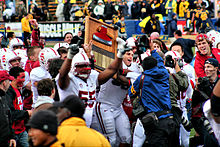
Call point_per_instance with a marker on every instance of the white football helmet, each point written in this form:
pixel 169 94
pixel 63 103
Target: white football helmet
pixel 46 55
pixel 58 45
pixel 81 59
pixel 16 42
pixel 6 57
pixel 23 54
pixel 174 54
pixel 213 35
pixel 131 42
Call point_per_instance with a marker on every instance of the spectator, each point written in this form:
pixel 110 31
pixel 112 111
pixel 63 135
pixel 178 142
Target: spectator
pixel 7 14
pixel 204 52
pixel 109 10
pixel 46 16
pixel 68 37
pixel 46 93
pixel 66 10
pixel 156 7
pixel 15 103
pixel 170 8
pixel 6 41
pixel 26 29
pixel 122 33
pixel 153 25
pixel 123 9
pixel 135 10
pixel 99 10
pixel 43 129
pixel 212 70
pixel 86 11
pixel 76 12
pixel 144 10
pixel 182 8
pixel 73 129
pixel 187 44
pixel 20 10
pixel 6 133
pixel 172 25
pixel 59 11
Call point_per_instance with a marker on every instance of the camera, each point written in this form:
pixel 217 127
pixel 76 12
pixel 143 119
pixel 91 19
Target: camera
pixel 169 62
pixel 205 85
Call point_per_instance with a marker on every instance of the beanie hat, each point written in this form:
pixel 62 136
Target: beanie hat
pixel 212 61
pixel 149 62
pixel 44 120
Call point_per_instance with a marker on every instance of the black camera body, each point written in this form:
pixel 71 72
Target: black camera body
pixel 169 62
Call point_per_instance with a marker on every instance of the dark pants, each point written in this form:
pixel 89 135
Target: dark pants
pixel 26 36
pixel 165 134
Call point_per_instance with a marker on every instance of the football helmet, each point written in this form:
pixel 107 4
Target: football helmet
pixel 130 42
pixel 58 45
pixel 23 54
pixel 212 35
pixel 81 59
pixel 174 54
pixel 46 55
pixel 16 42
pixel 6 57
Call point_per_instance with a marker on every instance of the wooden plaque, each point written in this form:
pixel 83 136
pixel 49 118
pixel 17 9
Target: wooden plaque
pixel 104 41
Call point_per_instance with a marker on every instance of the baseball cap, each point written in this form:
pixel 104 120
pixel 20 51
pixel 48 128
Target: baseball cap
pixel 74 104
pixel 212 61
pixel 44 120
pixel 5 76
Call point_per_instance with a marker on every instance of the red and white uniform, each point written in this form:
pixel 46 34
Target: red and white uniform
pixel 85 90
pixel 110 112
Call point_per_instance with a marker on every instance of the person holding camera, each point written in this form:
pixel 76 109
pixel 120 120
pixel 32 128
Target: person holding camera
pixel 204 52
pixel 202 93
pixel 180 91
pixel 157 119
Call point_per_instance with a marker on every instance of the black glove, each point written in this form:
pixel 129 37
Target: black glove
pixel 73 49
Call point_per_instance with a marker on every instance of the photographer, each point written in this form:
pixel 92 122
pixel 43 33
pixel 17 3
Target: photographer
pixel 201 94
pixel 158 123
pixel 178 94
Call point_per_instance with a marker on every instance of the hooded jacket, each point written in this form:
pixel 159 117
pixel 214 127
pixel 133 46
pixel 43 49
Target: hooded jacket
pixel 155 92
pixel 43 102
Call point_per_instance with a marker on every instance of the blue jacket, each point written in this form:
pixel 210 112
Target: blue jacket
pixel 155 92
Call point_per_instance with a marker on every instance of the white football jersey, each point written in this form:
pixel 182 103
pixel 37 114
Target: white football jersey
pixel 86 91
pixel 36 75
pixel 190 72
pixel 112 94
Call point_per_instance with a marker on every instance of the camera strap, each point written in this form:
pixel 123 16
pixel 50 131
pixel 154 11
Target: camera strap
pixel 141 83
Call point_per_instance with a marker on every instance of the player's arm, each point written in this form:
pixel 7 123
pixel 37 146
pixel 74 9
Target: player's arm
pixel 115 65
pixel 64 79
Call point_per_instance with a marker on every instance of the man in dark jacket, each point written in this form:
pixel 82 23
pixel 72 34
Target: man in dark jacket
pixel 6 132
pixel 135 10
pixel 109 10
pixel 187 46
pixel 15 103
pixel 66 10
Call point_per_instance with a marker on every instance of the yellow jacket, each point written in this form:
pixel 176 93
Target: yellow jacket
pixel 74 132
pixel 174 5
pixel 182 8
pixel 25 25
